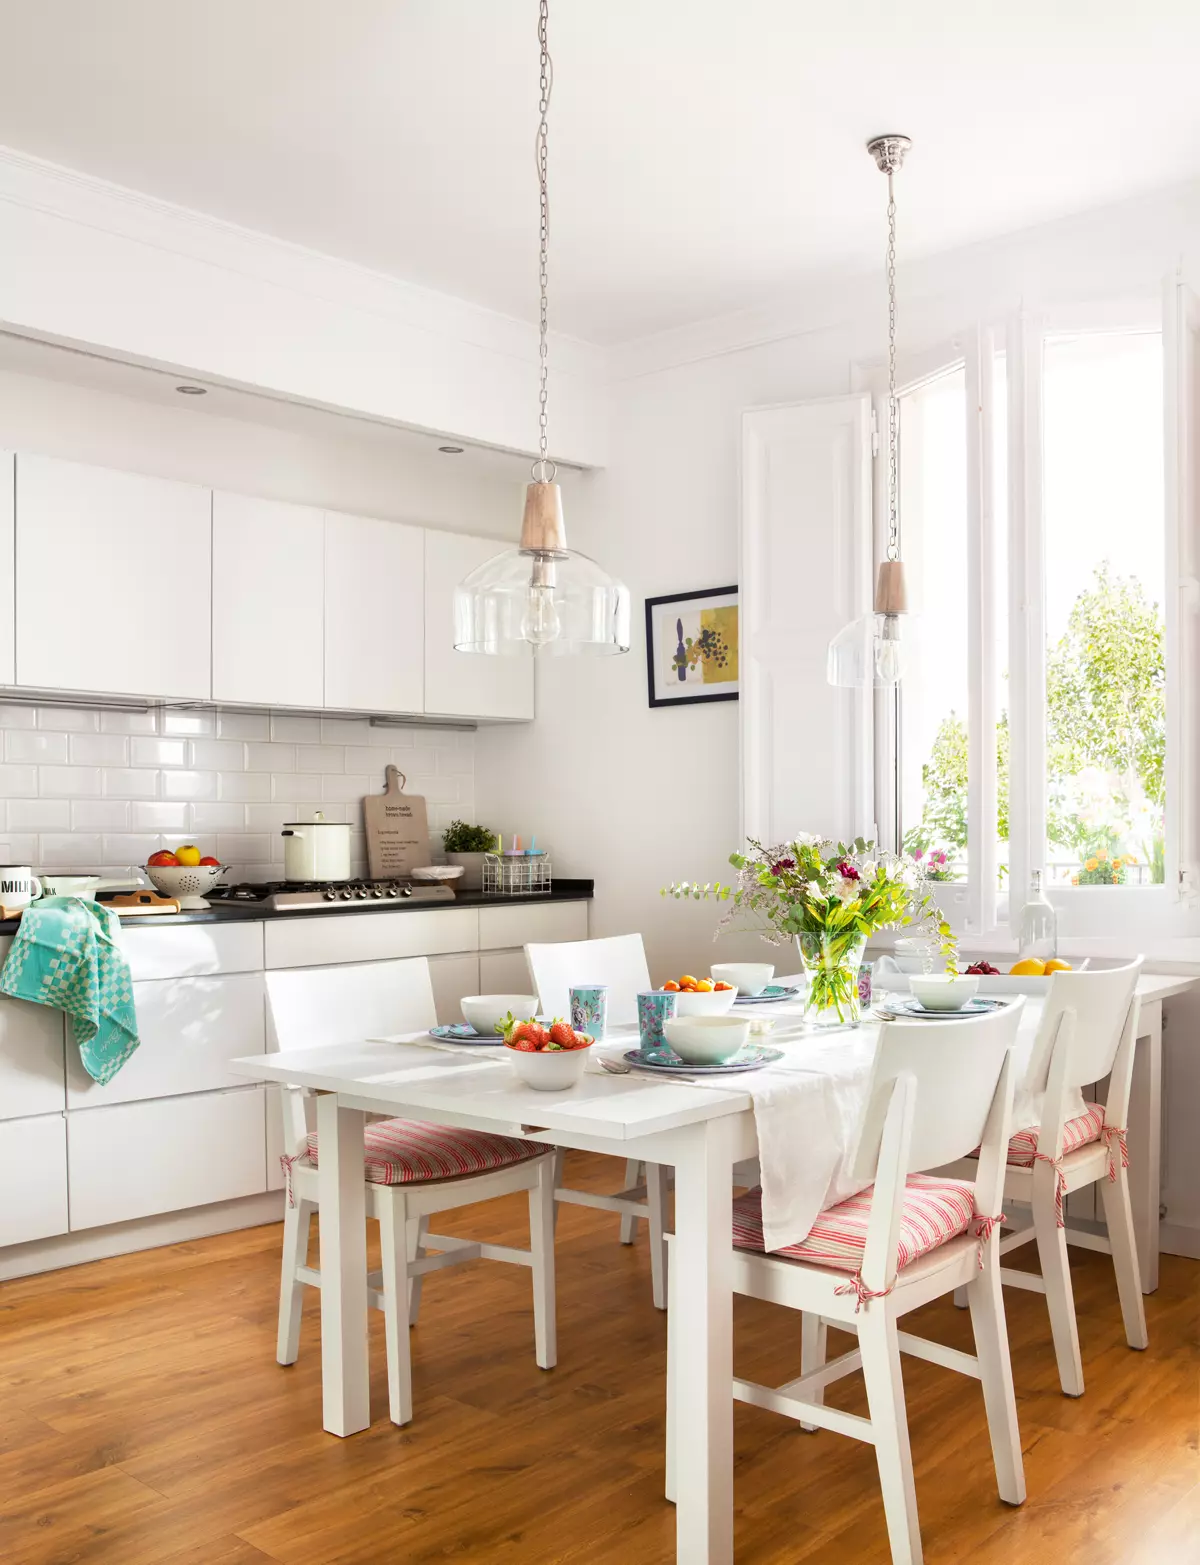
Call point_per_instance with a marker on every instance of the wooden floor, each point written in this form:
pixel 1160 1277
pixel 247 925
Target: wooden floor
pixel 143 1421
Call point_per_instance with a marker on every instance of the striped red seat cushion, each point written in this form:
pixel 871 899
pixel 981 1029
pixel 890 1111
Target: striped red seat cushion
pixel 412 1152
pixel 1078 1132
pixel 935 1210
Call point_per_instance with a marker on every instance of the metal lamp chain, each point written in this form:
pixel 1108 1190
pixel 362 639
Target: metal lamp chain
pixel 893 546
pixel 543 468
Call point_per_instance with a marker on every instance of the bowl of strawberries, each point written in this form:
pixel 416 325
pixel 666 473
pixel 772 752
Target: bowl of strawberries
pixel 547 1058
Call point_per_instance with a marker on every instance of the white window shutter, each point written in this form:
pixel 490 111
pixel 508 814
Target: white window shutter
pixel 1181 403
pixel 806 565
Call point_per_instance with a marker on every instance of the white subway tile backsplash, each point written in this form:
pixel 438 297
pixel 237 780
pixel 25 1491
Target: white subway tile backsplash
pixel 88 789
pixel 69 782
pixel 99 750
pixel 320 758
pixel 295 730
pixel 189 786
pixel 160 817
pixel 100 814
pixel 26 744
pixel 158 752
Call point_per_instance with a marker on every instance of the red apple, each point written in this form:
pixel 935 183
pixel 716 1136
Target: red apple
pixel 162 860
pixel 212 863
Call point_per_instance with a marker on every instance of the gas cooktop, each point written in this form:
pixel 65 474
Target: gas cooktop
pixel 324 896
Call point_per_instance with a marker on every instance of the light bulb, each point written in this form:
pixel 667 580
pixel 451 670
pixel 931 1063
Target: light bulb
pixel 540 622
pixel 889 659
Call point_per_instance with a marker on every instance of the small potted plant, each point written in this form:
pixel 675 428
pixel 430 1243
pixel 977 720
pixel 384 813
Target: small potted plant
pixel 466 845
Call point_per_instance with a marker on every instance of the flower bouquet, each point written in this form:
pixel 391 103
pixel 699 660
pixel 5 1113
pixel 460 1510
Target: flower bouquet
pixel 831 898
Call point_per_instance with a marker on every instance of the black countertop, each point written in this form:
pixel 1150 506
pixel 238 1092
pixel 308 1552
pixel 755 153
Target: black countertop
pixel 563 890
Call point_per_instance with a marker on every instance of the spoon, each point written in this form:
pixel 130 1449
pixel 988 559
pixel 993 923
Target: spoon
pixel 619 1068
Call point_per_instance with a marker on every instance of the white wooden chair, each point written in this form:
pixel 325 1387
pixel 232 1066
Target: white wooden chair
pixel 937 1090
pixel 620 962
pixel 1088 1031
pixel 412 1170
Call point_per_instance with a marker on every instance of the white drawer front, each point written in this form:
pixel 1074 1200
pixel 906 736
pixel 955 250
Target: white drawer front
pixel 319 939
pixel 31 1059
pixel 190 950
pixel 452 977
pixel 504 972
pixel 189 1028
pixel 136 1159
pixel 33 1179
pixel 517 926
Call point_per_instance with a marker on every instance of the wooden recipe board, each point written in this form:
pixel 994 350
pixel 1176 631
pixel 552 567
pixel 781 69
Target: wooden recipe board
pixel 397 828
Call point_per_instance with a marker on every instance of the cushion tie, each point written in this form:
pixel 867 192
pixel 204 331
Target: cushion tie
pixel 985 1227
pixel 1115 1140
pixel 285 1162
pixel 862 1293
pixel 1060 1183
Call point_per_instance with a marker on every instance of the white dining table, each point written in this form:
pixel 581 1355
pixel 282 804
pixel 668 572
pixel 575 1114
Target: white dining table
pixel 700 1131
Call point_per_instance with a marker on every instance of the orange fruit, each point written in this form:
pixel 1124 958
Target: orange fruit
pixel 1054 965
pixel 670 987
pixel 1028 967
pixel 687 980
pixel 704 986
pixel 722 987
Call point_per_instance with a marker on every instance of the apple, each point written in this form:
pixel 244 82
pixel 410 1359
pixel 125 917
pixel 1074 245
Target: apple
pixel 211 863
pixel 162 860
pixel 189 854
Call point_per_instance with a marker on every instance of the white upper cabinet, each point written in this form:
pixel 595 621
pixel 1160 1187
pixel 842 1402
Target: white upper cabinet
pixel 374 615
pixel 113 574
pixel 466 684
pixel 268 603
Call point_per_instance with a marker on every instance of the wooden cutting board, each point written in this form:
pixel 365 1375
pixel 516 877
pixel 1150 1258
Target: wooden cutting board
pixel 397 828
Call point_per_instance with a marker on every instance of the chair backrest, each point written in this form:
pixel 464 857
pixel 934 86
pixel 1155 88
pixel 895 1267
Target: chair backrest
pixel 1097 1002
pixel 317 1006
pixel 618 961
pixel 938 1090
pixel 954 1066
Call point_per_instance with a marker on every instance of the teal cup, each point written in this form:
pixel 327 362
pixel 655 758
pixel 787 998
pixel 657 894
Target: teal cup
pixel 589 1008
pixel 654 1008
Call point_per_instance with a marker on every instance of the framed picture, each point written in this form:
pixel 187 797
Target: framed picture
pixel 692 647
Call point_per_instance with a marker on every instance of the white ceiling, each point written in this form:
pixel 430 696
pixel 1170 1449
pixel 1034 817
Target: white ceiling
pixel 706 154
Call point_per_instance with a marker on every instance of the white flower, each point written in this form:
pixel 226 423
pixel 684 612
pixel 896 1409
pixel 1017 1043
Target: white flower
pixel 813 892
pixel 807 839
pixel 846 890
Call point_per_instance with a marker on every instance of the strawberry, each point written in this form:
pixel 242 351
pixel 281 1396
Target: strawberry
pixel 523 1033
pixel 563 1034
pixel 524 1046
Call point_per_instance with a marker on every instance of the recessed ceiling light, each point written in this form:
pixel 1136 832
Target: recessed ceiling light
pixel 451 450
pixel 192 391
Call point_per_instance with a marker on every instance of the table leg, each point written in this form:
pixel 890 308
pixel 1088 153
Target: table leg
pixel 702 1336
pixel 345 1373
pixel 1145 1141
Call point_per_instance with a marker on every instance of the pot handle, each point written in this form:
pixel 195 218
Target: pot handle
pixel 288 832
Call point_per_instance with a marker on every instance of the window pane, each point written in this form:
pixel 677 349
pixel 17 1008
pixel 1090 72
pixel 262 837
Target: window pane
pixel 1104 576
pixel 933 490
pixel 999 569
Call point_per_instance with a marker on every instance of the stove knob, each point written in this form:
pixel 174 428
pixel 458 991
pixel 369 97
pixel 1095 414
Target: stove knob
pixel 346 894
pixel 377 891
pixel 392 891
pixel 406 891
pixel 330 895
pixel 362 892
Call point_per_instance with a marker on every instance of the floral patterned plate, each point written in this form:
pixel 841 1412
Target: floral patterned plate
pixel 771 995
pixel 463 1032
pixel 752 1058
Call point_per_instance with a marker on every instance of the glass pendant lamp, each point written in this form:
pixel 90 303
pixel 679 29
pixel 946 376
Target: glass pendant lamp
pixel 541 596
pixel 869 652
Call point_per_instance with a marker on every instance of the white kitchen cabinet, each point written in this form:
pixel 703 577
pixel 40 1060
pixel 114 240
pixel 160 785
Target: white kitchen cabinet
pixel 320 939
pixel 466 684
pixel 374 615
pixel 532 923
pixel 191 950
pixel 451 978
pixel 504 972
pixel 268 602
pixel 189 1028
pixel 8 571
pixel 31 1059
pixel 135 1159
pixel 136 550
pixel 33 1179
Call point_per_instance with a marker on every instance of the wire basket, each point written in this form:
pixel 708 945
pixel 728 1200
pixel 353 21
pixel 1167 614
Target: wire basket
pixel 516 875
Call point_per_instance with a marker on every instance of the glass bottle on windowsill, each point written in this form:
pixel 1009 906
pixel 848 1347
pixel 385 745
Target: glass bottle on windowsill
pixel 1039 924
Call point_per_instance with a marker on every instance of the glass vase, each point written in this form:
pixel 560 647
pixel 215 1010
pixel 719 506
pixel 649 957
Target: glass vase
pixel 831 963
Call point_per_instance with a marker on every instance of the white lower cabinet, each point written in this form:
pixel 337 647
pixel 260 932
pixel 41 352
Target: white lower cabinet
pixel 504 972
pixel 165 1155
pixel 452 977
pixel 31 1060
pixel 320 939
pixel 33 1178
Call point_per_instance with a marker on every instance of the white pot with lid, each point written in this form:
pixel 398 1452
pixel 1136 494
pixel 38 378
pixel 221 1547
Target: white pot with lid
pixel 316 850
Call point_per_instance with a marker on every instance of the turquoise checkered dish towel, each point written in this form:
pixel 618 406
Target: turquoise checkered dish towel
pixel 67 954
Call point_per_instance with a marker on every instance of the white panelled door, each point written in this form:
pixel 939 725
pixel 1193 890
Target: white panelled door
pixel 374 615
pixel 805 571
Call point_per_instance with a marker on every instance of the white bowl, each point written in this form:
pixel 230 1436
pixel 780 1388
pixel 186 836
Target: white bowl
pixel 548 1070
pixel 188 882
pixel 483 1011
pixel 706 1040
pixel 746 977
pixel 437 872
pixel 943 991
pixel 712 1002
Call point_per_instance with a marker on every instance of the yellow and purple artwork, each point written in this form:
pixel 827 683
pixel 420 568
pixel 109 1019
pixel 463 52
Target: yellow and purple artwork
pixel 692 647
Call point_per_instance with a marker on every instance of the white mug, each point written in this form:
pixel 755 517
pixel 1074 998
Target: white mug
pixel 19 886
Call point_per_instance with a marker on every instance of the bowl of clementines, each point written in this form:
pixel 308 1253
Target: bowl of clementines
pixel 700 996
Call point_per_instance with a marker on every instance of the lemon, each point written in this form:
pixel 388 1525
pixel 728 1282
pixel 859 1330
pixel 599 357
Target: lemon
pixel 1054 965
pixel 1028 967
pixel 188 855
